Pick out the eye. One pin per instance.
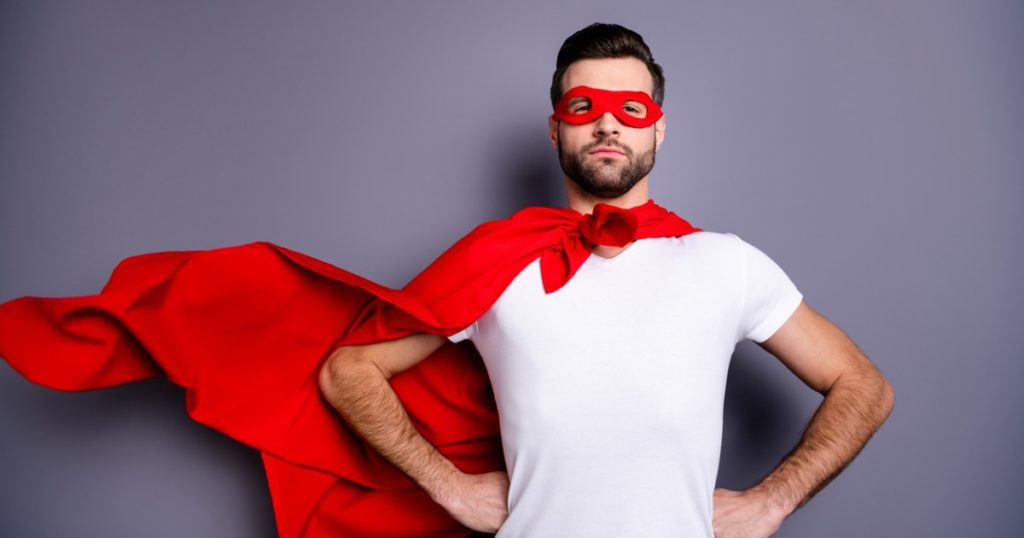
(635, 108)
(579, 105)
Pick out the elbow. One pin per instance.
(887, 397)
(335, 369)
(871, 389)
(879, 392)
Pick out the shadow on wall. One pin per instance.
(763, 421)
(527, 170)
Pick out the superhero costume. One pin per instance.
(244, 330)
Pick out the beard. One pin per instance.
(605, 177)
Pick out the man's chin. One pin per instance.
(603, 190)
(607, 173)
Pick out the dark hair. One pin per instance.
(605, 41)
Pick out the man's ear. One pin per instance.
(553, 132)
(659, 132)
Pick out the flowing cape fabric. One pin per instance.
(244, 330)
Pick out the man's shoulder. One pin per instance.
(707, 250)
(705, 240)
(531, 221)
(498, 244)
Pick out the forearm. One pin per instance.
(855, 406)
(360, 392)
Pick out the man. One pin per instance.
(609, 390)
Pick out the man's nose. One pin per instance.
(607, 125)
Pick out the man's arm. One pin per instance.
(857, 400)
(354, 379)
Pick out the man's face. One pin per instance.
(605, 157)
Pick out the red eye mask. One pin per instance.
(583, 104)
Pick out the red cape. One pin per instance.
(245, 329)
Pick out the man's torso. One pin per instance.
(610, 390)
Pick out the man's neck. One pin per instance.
(584, 202)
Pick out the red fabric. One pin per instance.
(245, 329)
(583, 104)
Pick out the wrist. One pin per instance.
(774, 501)
(445, 487)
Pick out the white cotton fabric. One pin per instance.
(610, 390)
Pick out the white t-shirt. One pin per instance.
(610, 390)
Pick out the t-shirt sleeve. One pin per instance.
(464, 334)
(769, 297)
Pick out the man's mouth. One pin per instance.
(607, 151)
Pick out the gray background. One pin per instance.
(873, 149)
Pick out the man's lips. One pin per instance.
(606, 151)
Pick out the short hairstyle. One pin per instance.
(601, 40)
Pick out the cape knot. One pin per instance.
(608, 225)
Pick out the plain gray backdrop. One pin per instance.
(873, 149)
